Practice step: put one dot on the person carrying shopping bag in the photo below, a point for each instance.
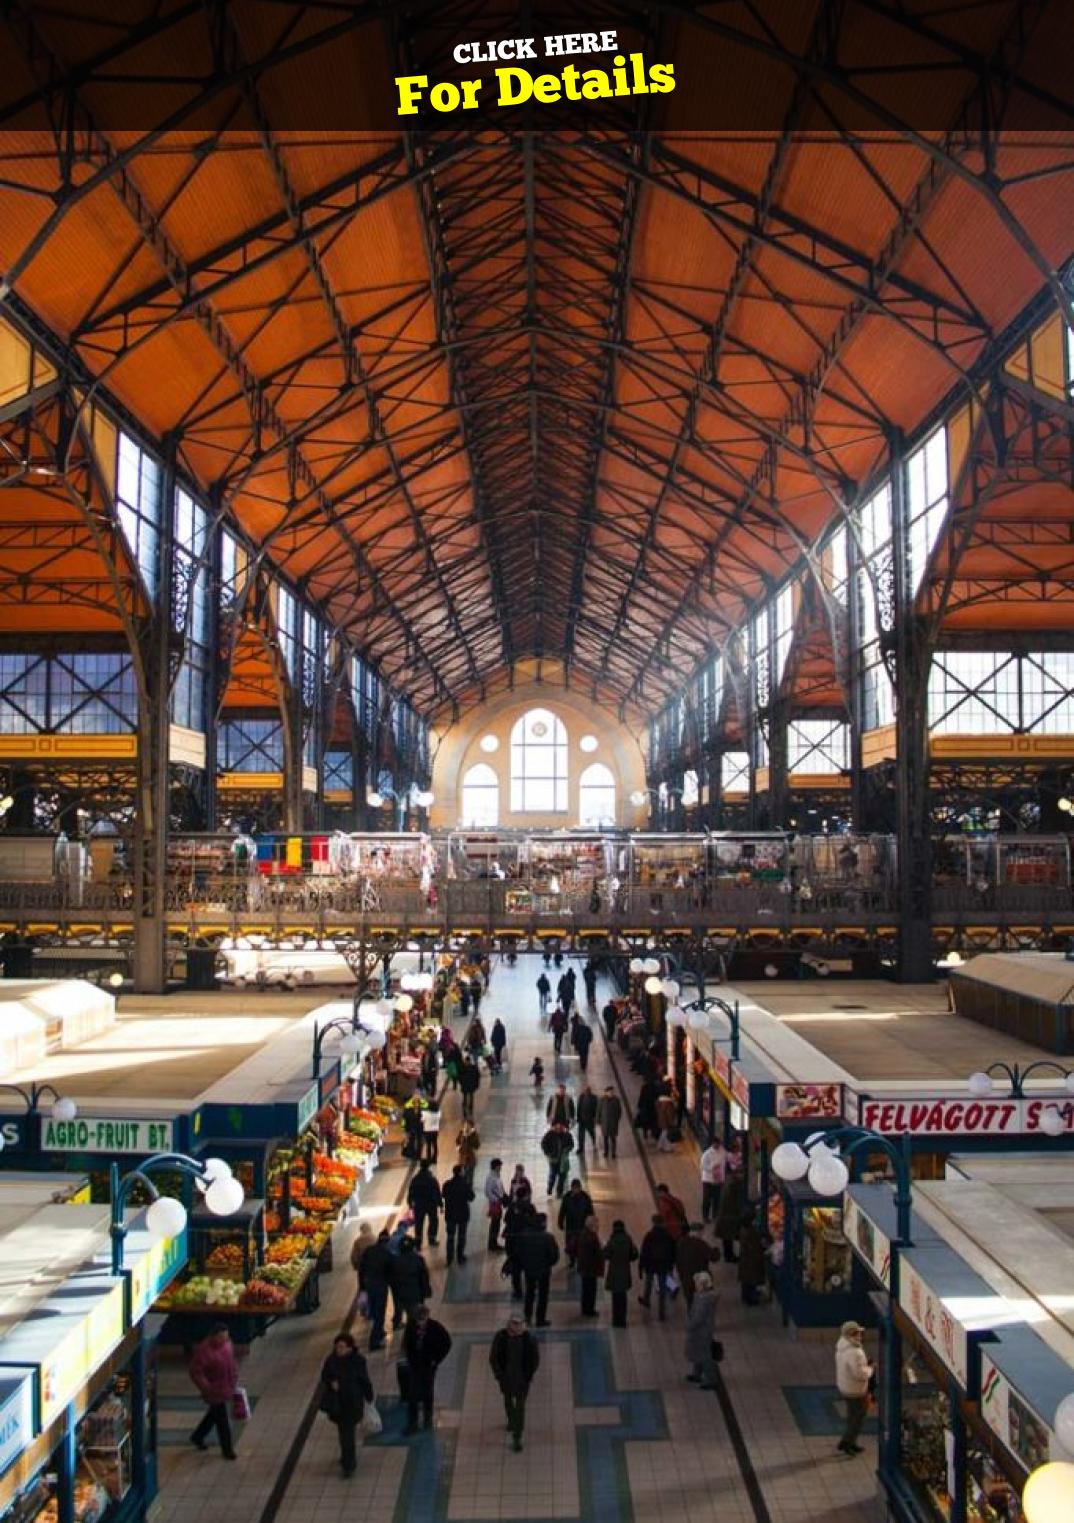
(346, 1388)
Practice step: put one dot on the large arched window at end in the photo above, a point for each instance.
(480, 796)
(596, 796)
(538, 764)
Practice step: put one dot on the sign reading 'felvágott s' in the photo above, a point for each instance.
(961, 1116)
(106, 1134)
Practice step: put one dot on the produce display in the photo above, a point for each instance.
(261, 1293)
(226, 1256)
(293, 1245)
(288, 1275)
(204, 1290)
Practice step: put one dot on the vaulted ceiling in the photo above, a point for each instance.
(505, 394)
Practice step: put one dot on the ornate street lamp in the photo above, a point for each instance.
(167, 1216)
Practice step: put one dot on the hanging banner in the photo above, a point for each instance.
(1014, 1423)
(927, 1311)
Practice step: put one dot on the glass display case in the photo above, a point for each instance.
(103, 1444)
(819, 1282)
(32, 1500)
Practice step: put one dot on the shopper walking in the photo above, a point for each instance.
(374, 1280)
(609, 1115)
(537, 1254)
(557, 1146)
(498, 1041)
(557, 1024)
(575, 1210)
(496, 1199)
(457, 1194)
(560, 1108)
(425, 1200)
(519, 1184)
(469, 1084)
(610, 1016)
(519, 1217)
(667, 1121)
(656, 1262)
(468, 1141)
(700, 1332)
(713, 1170)
(672, 1211)
(426, 1344)
(214, 1369)
(729, 1211)
(645, 1115)
(544, 990)
(693, 1255)
(430, 1127)
(410, 1281)
(853, 1372)
(589, 978)
(620, 1252)
(346, 1388)
(515, 1357)
(581, 1040)
(590, 1266)
(752, 1266)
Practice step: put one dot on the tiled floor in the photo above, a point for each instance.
(614, 1433)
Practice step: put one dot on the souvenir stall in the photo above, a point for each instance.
(737, 860)
(78, 1416)
(968, 1391)
(667, 871)
(568, 870)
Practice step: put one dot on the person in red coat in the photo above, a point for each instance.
(672, 1212)
(215, 1371)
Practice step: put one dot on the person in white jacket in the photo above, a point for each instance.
(853, 1372)
(496, 1202)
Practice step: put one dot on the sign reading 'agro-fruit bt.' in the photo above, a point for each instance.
(961, 1117)
(107, 1134)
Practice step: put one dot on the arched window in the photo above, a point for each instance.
(596, 796)
(480, 796)
(538, 764)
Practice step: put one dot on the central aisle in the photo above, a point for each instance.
(614, 1432)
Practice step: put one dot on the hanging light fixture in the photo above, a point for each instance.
(653, 985)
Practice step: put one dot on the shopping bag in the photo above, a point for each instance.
(363, 1304)
(240, 1404)
(671, 1281)
(370, 1424)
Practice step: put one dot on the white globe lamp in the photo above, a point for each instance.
(216, 1168)
(652, 965)
(671, 990)
(981, 1084)
(404, 1003)
(350, 1044)
(1049, 1494)
(1052, 1124)
(698, 1021)
(653, 985)
(828, 1175)
(224, 1197)
(790, 1161)
(376, 1039)
(676, 1016)
(637, 967)
(165, 1218)
(64, 1109)
(1070, 1083)
(1064, 1423)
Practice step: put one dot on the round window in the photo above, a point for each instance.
(589, 743)
(489, 743)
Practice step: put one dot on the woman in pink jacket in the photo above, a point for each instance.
(215, 1371)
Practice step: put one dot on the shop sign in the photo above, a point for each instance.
(152, 1271)
(308, 1107)
(72, 1361)
(867, 1241)
(16, 1417)
(930, 1316)
(107, 1134)
(960, 1117)
(1014, 1423)
(13, 1132)
(809, 1102)
(721, 1070)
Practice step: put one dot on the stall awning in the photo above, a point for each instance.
(1045, 976)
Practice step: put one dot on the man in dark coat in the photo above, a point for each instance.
(544, 990)
(729, 1212)
(518, 1218)
(656, 1263)
(609, 1115)
(581, 1037)
(469, 1083)
(587, 1108)
(575, 1210)
(565, 992)
(619, 1254)
(374, 1277)
(610, 1016)
(457, 1195)
(409, 1281)
(557, 1145)
(498, 1041)
(426, 1344)
(347, 1388)
(590, 1266)
(692, 1256)
(589, 978)
(560, 1107)
(538, 1253)
(557, 1024)
(425, 1200)
(514, 1357)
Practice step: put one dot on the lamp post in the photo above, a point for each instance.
(704, 1003)
(354, 1034)
(421, 797)
(1054, 1116)
(818, 1161)
(63, 1109)
(167, 1216)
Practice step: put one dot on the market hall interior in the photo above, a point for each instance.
(433, 549)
